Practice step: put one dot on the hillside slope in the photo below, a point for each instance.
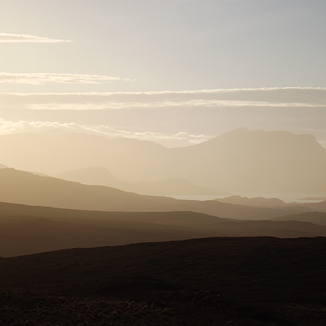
(27, 188)
(28, 229)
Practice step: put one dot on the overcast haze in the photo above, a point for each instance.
(185, 70)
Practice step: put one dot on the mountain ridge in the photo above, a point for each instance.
(239, 162)
(31, 189)
(26, 229)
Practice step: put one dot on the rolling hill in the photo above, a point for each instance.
(29, 229)
(249, 281)
(318, 218)
(27, 188)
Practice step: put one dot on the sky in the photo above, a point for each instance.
(177, 72)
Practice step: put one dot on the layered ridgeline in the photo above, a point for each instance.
(240, 161)
(30, 229)
(169, 187)
(32, 189)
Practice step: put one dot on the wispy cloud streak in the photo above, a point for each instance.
(25, 38)
(10, 127)
(43, 78)
(259, 97)
(166, 104)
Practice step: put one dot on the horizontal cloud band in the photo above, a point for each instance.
(25, 38)
(42, 78)
(260, 97)
(10, 127)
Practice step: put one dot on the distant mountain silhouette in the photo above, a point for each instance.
(91, 176)
(256, 201)
(260, 162)
(320, 206)
(3, 166)
(29, 229)
(171, 187)
(240, 161)
(311, 217)
(314, 198)
(27, 188)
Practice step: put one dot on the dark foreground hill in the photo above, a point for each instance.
(28, 229)
(215, 281)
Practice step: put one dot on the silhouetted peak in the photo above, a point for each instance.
(246, 137)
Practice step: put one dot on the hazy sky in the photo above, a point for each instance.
(185, 70)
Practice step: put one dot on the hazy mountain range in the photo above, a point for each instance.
(255, 201)
(170, 187)
(240, 161)
(318, 218)
(32, 189)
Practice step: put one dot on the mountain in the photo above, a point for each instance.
(3, 166)
(27, 188)
(243, 161)
(239, 162)
(317, 199)
(255, 201)
(91, 176)
(318, 218)
(171, 187)
(29, 229)
(320, 206)
(52, 153)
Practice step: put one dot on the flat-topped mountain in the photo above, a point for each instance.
(259, 162)
(255, 201)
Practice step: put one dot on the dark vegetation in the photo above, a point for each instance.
(213, 281)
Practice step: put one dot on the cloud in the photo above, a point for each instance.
(200, 113)
(166, 104)
(177, 139)
(43, 78)
(260, 97)
(25, 38)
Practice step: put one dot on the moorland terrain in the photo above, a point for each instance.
(214, 281)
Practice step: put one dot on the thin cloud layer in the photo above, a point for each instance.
(43, 78)
(157, 105)
(25, 38)
(181, 138)
(260, 97)
(161, 116)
